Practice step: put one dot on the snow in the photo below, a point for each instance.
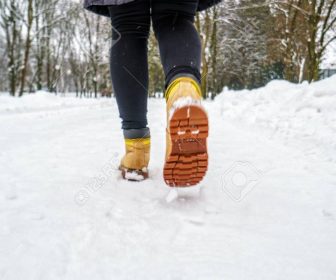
(182, 102)
(266, 210)
(42, 101)
(133, 176)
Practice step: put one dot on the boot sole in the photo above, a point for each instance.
(187, 163)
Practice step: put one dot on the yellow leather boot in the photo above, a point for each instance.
(134, 164)
(187, 131)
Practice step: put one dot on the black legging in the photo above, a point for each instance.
(179, 43)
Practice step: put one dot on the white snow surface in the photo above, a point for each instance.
(266, 210)
(133, 176)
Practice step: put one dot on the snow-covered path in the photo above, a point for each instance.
(266, 210)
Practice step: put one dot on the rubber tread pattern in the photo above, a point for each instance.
(187, 163)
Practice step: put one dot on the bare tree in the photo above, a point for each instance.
(29, 25)
(11, 23)
(308, 28)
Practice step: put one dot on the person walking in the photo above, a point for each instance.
(186, 158)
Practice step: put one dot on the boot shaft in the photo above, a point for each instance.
(137, 154)
(181, 92)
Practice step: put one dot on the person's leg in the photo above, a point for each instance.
(187, 122)
(128, 63)
(129, 72)
(179, 41)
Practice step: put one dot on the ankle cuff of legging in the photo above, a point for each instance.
(137, 133)
(188, 75)
(183, 73)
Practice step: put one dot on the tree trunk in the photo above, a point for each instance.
(27, 46)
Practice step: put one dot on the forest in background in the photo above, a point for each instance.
(57, 46)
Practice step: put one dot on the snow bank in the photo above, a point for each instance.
(289, 110)
(42, 100)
